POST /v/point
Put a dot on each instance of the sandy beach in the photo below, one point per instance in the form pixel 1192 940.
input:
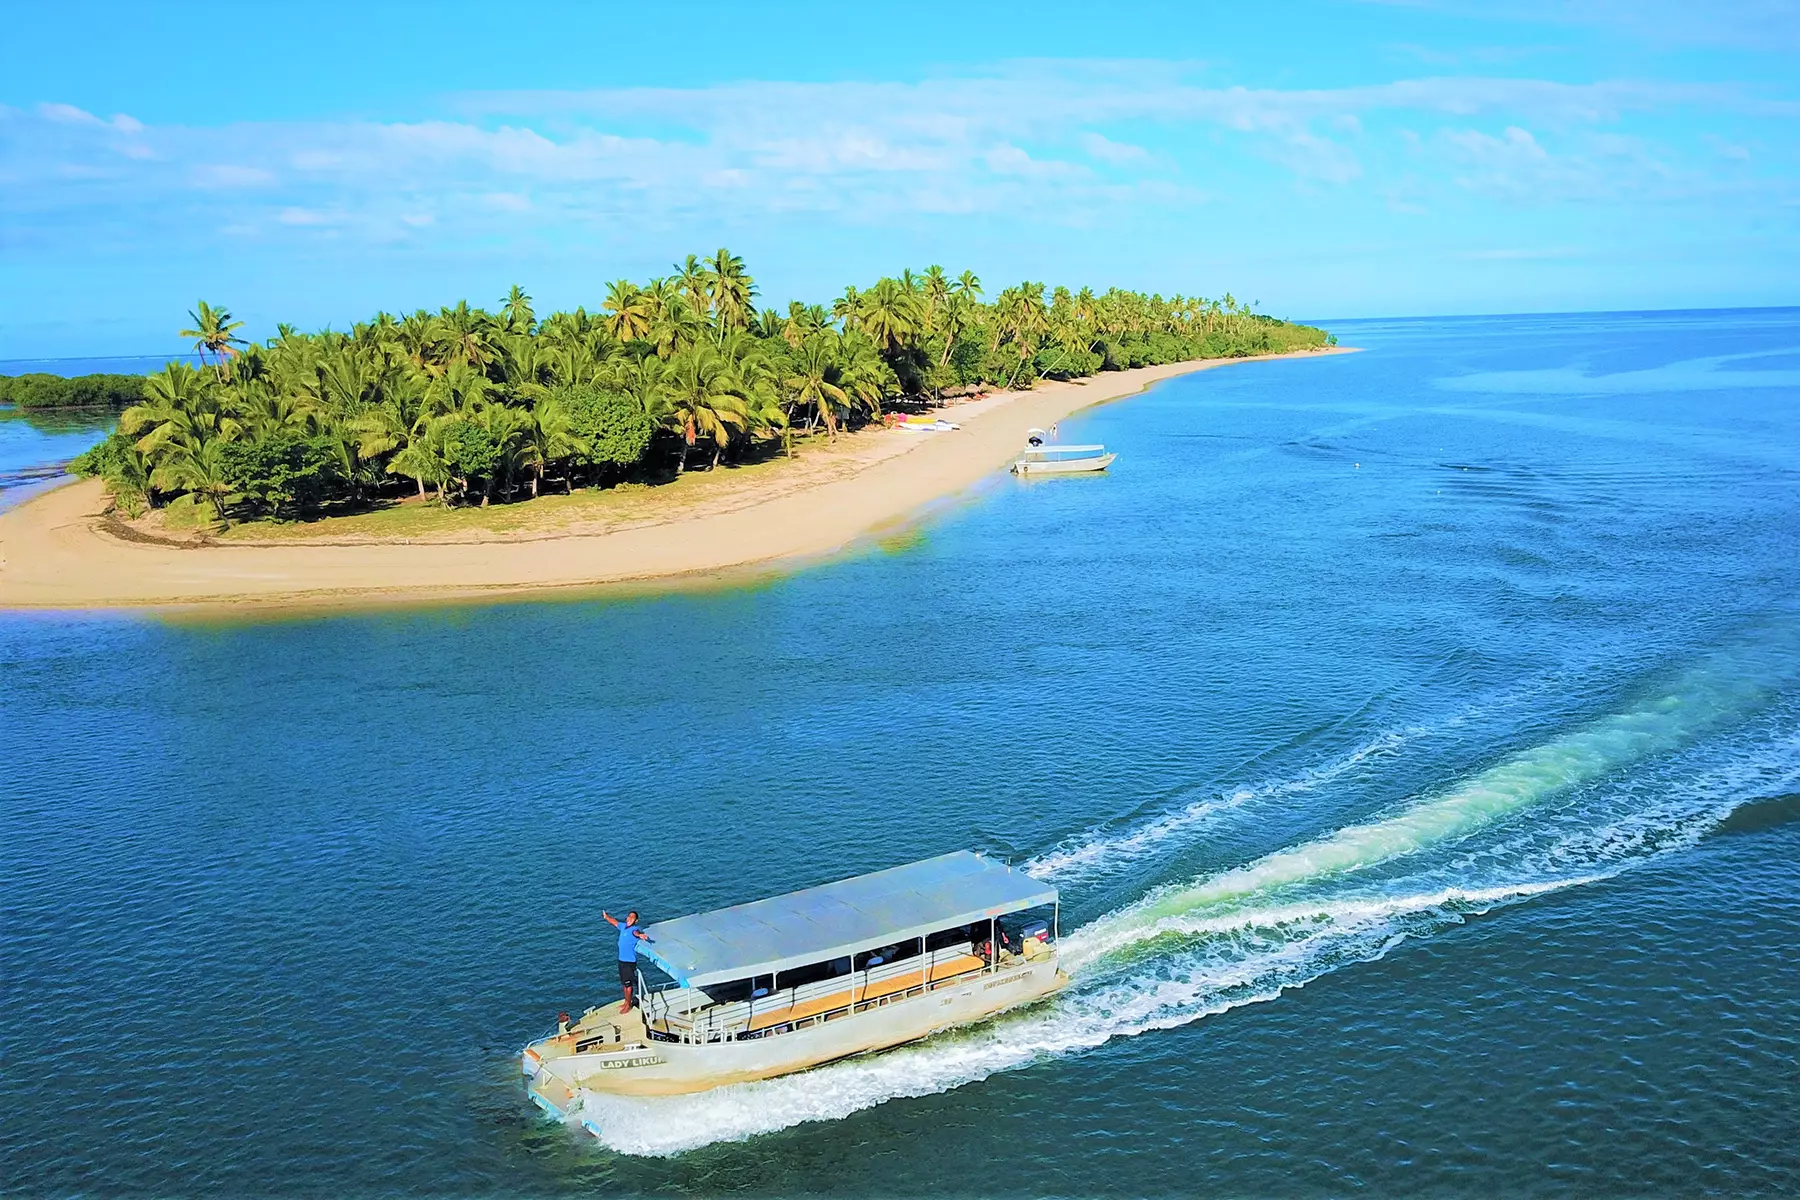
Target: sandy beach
pixel 55 552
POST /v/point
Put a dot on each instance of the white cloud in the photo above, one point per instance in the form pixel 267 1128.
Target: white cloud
pixel 1106 150
pixel 869 153
pixel 1008 159
pixel 68 114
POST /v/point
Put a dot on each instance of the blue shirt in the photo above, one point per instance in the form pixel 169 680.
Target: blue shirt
pixel 627 943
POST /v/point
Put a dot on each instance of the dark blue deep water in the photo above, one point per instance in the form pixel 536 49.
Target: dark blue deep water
pixel 1415 736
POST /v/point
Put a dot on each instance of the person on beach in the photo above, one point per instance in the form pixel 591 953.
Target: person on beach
pixel 629 936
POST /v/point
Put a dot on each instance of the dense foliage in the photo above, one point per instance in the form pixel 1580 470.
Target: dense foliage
pixel 467 405
pixel 80 391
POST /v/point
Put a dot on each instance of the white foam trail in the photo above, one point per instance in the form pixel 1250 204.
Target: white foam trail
pixel 1103 850
pixel 1699 700
pixel 1099 851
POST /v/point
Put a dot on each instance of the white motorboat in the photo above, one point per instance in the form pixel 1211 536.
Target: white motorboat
pixel 1042 456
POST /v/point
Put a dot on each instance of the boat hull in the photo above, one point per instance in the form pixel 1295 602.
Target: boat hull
pixel 1068 466
pixel 674 1068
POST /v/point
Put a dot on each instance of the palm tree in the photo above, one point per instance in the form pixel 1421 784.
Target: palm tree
pixel 848 308
pixel 195 464
pixel 1021 319
pixel 553 439
pixel 769 324
pixel 465 334
pixel 214 333
pixel 425 457
pixel 510 430
pixel 811 382
pixel 890 314
pixel 865 376
pixel 629 310
pixel 642 380
pixel 952 320
pixel 677 325
pixel 702 398
pixel 694 283
pixel 732 290
pixel 389 427
pixel 267 411
pixel 179 402
pixel 803 321
pixel 460 391
pixel 516 308
pixel 934 287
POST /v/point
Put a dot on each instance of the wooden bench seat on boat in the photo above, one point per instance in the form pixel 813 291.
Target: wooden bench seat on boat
pixel 962 964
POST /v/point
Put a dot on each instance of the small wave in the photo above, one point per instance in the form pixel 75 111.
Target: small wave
pixel 1101 851
pixel 1108 849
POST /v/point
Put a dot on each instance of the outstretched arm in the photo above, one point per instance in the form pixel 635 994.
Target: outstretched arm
pixel 610 919
pixel 642 936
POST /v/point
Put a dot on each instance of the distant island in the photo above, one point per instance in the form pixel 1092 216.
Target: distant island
pixel 43 392
pixel 464 453
pixel 465 407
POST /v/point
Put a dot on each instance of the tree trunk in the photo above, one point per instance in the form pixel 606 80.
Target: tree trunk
pixel 718 450
pixel 1015 375
pixel 681 464
pixel 421 482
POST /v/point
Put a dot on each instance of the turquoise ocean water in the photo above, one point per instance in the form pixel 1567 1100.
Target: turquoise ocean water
pixel 1414 735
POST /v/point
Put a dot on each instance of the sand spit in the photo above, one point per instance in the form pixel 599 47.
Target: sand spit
pixel 56 550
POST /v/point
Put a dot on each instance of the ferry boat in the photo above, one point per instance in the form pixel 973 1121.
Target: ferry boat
pixel 784 984
pixel 1042 456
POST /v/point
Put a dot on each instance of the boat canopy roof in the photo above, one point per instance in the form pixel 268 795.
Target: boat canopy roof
pixel 1056 448
pixel 838 919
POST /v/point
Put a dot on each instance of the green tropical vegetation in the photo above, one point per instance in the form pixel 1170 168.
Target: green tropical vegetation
pixel 42 392
pixel 469 407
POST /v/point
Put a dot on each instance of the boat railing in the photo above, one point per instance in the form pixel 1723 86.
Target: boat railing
pixel 697 1021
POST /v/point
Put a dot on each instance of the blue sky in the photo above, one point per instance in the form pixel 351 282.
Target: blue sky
pixel 316 163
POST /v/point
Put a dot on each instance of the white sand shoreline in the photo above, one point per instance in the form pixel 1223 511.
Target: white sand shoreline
pixel 55 555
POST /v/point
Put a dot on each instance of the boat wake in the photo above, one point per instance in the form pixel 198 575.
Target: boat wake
pixel 1573 810
pixel 1101 852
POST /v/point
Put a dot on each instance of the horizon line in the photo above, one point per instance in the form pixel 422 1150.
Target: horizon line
pixel 1316 321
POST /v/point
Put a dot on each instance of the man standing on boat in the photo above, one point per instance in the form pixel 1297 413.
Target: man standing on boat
pixel 629 936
